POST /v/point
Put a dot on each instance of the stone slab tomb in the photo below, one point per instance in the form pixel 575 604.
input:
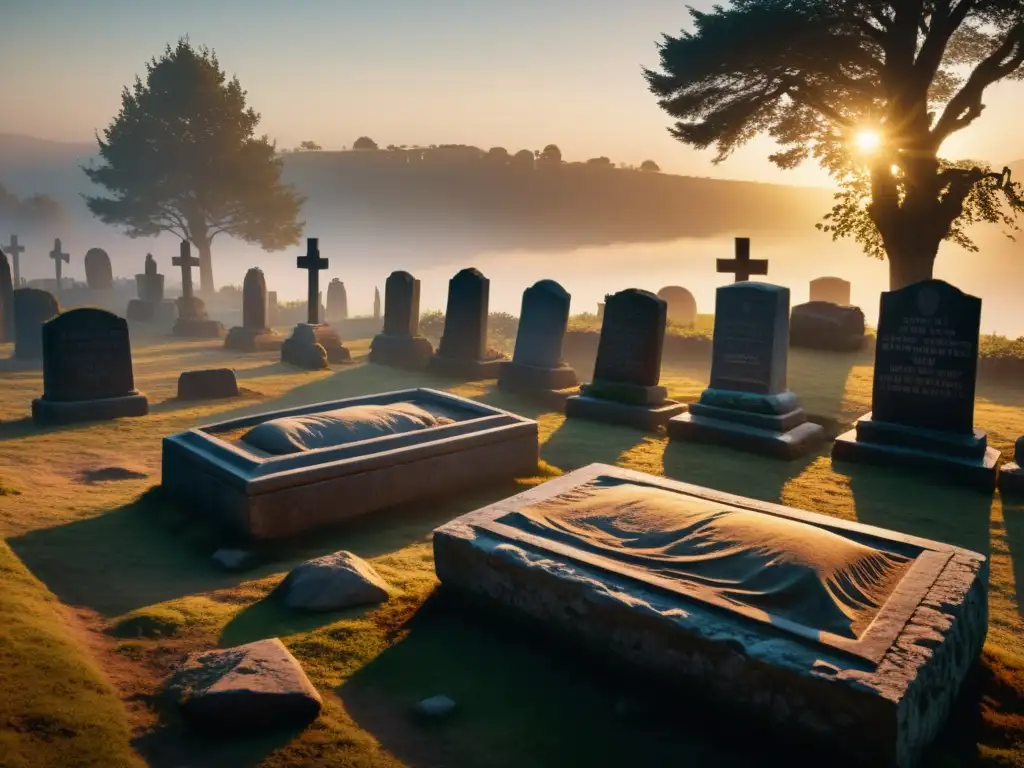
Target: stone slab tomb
pixel 850 635
pixel 87 369
pixel 277 474
pixel 625 387
pixel 747 405
pixel 254 334
pixel 401 345
pixel 537 365
pixel 922 399
pixel 463 351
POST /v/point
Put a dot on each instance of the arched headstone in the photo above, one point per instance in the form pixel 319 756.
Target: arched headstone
pixel 682 306
pixel 98 273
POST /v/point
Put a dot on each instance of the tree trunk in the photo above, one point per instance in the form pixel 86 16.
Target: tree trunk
pixel 205 267
pixel 910 261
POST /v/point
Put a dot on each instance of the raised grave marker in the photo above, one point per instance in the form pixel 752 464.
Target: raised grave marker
pixel 150 306
pixel 99 275
pixel 625 387
pixel 376 303
pixel 682 306
pixel 922 400
pixel 742 266
pixel 59 259
pixel 832 289
pixel 14 249
pixel 463 349
pixel 337 301
pixel 312 345
pixel 735 601
pixel 748 405
pixel 536 365
pixel 87 369
pixel 827 326
pixel 254 335
pixel 193 321
pixel 6 300
pixel 32 308
pixel 401 344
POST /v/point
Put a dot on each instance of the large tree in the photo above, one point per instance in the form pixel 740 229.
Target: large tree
pixel 182 157
pixel 870 90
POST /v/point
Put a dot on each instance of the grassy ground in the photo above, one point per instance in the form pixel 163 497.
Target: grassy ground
pixel 79 510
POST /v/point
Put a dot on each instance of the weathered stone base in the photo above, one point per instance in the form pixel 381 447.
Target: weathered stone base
pixel 469 370
pixel 198 328
pixel 961 459
pixel 756 423
pixel 649 418
pixel 525 379
pixel 241 339
pixel 409 352
pixel 51 412
pixel 880 711
pixel 160 312
pixel 1011 479
pixel 328 338
pixel 314 347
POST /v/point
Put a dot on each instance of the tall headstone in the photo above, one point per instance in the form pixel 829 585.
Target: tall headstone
pixel 59 259
pixel 625 388
pixel 87 369
pixel 192 322
pixel 150 306
pixel 400 344
pixel 833 289
pixel 463 349
pixel 254 334
pixel 337 301
pixel 742 266
pixel 922 399
pixel 6 300
pixel 376 303
pixel 682 306
pixel 536 364
pixel 32 308
pixel 14 250
pixel 748 405
pixel 98 274
pixel 313 345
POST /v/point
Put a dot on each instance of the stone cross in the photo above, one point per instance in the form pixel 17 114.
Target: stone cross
pixel 743 266
pixel 59 257
pixel 186 261
pixel 313 263
pixel 15 249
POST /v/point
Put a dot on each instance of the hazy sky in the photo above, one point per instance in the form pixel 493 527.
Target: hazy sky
pixel 517 74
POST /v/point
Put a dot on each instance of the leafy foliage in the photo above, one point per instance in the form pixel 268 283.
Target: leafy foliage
pixel 364 142
pixel 36 212
pixel 650 166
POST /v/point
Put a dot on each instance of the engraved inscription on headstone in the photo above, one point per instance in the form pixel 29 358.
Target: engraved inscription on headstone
pixel 86 356
pixel 926 357
pixel 751 338
pixel 632 338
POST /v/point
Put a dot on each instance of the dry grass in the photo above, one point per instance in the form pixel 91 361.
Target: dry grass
pixel 78 508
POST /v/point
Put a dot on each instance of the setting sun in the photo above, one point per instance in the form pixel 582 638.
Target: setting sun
pixel 867 141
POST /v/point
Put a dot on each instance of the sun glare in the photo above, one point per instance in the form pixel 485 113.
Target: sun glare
pixel 867 141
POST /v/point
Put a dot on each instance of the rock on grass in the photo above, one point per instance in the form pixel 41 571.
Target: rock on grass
pixel 333 582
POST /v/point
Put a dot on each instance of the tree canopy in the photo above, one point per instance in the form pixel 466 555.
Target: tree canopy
pixel 182 157
pixel 870 90
pixel 364 142
pixel 33 213
pixel 650 166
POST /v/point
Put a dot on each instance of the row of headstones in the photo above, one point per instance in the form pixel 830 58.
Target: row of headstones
pixel 99 275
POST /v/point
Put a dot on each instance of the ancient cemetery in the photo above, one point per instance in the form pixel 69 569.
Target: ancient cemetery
pixel 748 404
pixel 401 344
pixel 463 351
pixel 313 345
pixel 625 388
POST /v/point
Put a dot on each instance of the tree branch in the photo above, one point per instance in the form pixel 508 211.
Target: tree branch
pixel 802 93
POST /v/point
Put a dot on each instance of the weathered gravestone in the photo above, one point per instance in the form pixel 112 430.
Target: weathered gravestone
pixel 253 335
pixel 87 369
pixel 193 321
pixel 32 308
pixel 625 387
pixel 400 344
pixel 207 384
pixel 6 300
pixel 536 364
pixel 463 349
pixel 748 405
pixel 98 274
pixel 60 258
pixel 833 289
pixel 682 306
pixel 827 326
pixel 150 306
pixel 337 301
pixel 313 345
pixel 922 400
pixel 14 250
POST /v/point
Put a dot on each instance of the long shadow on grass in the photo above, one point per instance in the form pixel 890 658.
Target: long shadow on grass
pixel 529 697
pixel 578 442
pixel 1013 520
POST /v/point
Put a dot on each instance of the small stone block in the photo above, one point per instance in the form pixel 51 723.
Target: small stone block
pixel 408 352
pixel 50 412
pixel 523 379
pixel 208 384
pixel 1011 479
pixel 623 392
pixel 468 370
pixel 241 339
pixel 649 418
pixel 771 422
pixel 790 444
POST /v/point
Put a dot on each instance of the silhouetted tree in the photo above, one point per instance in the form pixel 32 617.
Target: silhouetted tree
pixel 310 146
pixel 37 212
pixel 602 162
pixel 364 142
pixel 817 75
pixel 182 157
pixel 550 155
pixel 523 159
pixel 498 156
pixel 650 165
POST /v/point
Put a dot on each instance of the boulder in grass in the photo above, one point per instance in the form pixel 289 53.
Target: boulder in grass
pixel 207 384
pixel 332 583
pixel 827 326
pixel 245 689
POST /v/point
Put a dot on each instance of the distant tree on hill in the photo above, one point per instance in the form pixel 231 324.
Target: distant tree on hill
pixel 497 156
pixel 310 146
pixel 871 91
pixel 523 159
pixel 364 142
pixel 650 165
pixel 182 157
pixel 550 155
pixel 34 213
pixel 602 162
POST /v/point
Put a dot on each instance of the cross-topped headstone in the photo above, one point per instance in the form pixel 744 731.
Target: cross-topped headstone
pixel 14 249
pixel 59 258
pixel 186 261
pixel 313 263
pixel 743 266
